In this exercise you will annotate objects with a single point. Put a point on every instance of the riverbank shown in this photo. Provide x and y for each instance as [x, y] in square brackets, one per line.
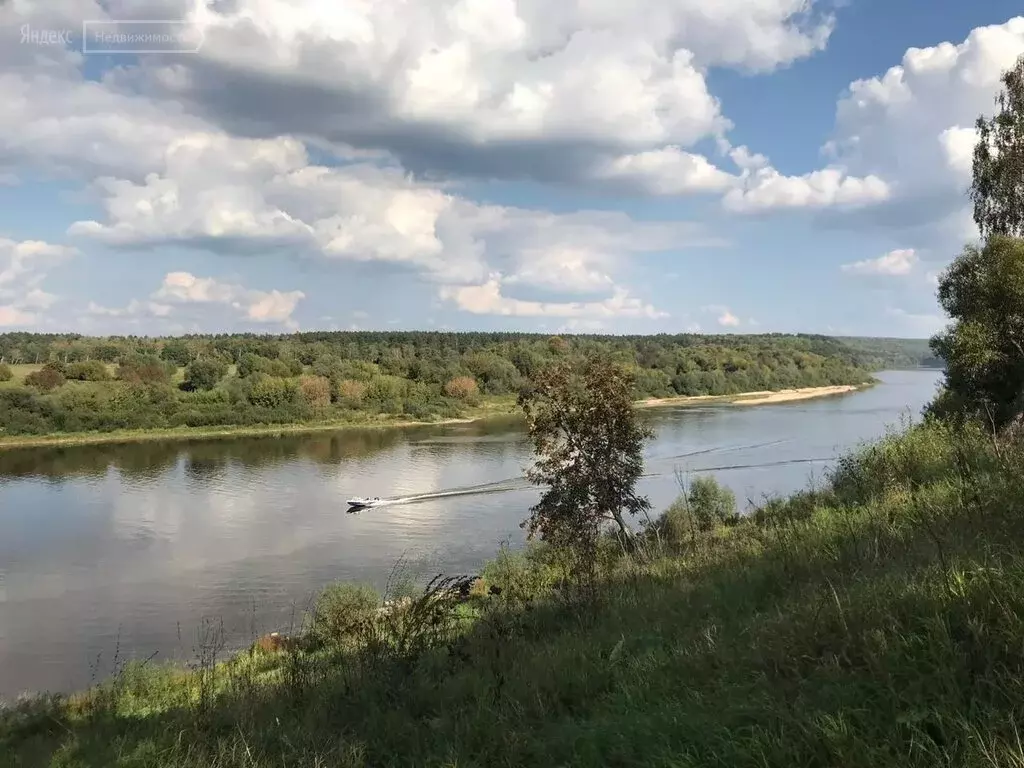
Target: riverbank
[842, 627]
[764, 397]
[490, 408]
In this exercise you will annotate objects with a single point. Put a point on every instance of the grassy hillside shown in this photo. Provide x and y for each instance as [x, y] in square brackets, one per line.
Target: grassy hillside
[876, 622]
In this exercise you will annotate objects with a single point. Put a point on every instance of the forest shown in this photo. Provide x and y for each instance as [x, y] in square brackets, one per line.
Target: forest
[64, 384]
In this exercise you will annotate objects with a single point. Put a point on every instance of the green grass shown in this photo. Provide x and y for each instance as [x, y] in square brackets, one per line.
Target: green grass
[875, 622]
[20, 371]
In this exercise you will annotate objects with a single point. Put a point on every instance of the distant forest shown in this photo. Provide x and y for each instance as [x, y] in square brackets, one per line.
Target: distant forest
[70, 383]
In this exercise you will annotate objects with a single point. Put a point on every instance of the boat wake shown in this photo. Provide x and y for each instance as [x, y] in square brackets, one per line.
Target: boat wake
[513, 484]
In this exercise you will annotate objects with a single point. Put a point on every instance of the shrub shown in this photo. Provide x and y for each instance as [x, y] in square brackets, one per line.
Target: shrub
[700, 508]
[6, 374]
[315, 392]
[45, 379]
[343, 610]
[461, 388]
[351, 392]
[144, 370]
[89, 370]
[522, 576]
[710, 503]
[204, 374]
[270, 393]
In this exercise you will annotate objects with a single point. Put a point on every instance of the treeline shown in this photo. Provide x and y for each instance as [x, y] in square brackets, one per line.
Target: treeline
[71, 383]
[882, 353]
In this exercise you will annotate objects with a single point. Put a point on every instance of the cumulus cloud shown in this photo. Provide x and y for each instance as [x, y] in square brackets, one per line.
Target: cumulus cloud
[23, 267]
[257, 306]
[497, 88]
[766, 189]
[911, 127]
[894, 263]
[487, 299]
[667, 171]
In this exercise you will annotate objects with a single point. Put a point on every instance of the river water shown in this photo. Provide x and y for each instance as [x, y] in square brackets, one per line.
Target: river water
[116, 552]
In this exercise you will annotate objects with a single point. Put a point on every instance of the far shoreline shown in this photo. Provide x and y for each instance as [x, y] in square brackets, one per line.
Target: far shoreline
[490, 410]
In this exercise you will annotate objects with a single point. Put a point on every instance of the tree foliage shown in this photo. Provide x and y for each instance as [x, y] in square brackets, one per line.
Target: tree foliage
[204, 374]
[6, 374]
[46, 378]
[382, 373]
[997, 189]
[983, 292]
[589, 445]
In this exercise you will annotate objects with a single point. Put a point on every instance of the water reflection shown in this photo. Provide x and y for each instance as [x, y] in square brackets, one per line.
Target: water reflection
[125, 543]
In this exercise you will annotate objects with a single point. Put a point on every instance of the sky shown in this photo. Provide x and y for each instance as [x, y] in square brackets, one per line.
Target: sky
[591, 166]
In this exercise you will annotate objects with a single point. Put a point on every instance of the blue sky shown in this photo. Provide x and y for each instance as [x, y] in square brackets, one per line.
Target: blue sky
[675, 165]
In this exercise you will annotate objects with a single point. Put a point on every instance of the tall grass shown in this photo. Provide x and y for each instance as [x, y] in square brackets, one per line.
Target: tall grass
[876, 621]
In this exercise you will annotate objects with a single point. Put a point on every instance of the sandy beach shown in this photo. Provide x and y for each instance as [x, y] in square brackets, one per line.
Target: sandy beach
[766, 397]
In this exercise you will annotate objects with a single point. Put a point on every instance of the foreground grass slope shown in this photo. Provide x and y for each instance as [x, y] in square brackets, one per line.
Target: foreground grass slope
[875, 622]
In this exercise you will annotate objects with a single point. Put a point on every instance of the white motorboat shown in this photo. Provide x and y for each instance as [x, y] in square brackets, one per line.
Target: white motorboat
[360, 502]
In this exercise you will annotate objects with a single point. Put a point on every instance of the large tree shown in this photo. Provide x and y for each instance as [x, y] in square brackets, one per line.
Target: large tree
[997, 189]
[983, 292]
[589, 445]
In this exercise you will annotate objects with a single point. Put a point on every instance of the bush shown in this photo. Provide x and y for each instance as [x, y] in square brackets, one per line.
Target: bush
[315, 392]
[89, 370]
[351, 392]
[702, 507]
[270, 393]
[523, 576]
[710, 503]
[6, 374]
[204, 374]
[343, 610]
[144, 370]
[461, 388]
[45, 379]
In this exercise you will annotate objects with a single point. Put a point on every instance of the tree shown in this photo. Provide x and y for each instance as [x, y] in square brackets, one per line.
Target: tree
[983, 292]
[176, 351]
[45, 379]
[997, 189]
[144, 369]
[589, 445]
[204, 373]
[6, 374]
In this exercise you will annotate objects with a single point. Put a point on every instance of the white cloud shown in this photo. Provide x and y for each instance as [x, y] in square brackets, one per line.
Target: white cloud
[766, 189]
[666, 171]
[487, 299]
[910, 127]
[723, 315]
[23, 266]
[498, 88]
[258, 306]
[895, 263]
[728, 320]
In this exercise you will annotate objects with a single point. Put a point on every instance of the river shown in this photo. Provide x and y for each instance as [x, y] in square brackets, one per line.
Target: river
[116, 552]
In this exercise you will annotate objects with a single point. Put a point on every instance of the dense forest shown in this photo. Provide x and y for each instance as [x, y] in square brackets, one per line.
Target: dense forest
[893, 353]
[70, 383]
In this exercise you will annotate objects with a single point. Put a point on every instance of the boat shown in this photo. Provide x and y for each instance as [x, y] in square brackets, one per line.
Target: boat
[361, 503]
